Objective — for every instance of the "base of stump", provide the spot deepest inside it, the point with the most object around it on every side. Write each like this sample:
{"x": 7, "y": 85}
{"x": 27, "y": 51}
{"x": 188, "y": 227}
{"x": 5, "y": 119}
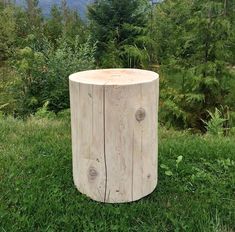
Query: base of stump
{"x": 114, "y": 201}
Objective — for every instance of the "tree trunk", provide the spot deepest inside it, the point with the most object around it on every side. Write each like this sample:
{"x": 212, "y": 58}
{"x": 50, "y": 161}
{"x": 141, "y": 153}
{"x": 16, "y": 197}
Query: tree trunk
{"x": 114, "y": 133}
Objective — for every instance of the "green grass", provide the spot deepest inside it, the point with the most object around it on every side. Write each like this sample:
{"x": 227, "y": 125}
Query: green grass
{"x": 37, "y": 191}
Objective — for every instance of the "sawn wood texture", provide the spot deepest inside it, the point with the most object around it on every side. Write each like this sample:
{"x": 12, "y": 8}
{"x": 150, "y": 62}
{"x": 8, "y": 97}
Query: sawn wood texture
{"x": 114, "y": 115}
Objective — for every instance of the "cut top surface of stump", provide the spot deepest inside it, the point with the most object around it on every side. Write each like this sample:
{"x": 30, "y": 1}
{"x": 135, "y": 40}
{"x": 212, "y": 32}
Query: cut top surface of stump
{"x": 114, "y": 76}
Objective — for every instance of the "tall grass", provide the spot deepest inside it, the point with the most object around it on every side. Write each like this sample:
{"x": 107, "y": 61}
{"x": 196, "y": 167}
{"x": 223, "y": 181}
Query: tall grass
{"x": 37, "y": 191}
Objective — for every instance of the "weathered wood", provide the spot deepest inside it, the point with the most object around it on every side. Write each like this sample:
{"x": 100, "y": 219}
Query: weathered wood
{"x": 114, "y": 133}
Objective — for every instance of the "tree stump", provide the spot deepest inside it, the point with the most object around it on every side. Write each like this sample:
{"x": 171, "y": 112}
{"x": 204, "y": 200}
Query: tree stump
{"x": 114, "y": 133}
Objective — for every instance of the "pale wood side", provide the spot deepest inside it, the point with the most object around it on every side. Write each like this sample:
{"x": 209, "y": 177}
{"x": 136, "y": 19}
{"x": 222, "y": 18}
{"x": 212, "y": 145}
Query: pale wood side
{"x": 86, "y": 102}
{"x": 131, "y": 145}
{"x": 114, "y": 139}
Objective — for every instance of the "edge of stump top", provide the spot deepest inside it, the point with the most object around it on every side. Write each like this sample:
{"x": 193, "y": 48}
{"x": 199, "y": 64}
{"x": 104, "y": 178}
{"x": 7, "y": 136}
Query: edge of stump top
{"x": 114, "y": 76}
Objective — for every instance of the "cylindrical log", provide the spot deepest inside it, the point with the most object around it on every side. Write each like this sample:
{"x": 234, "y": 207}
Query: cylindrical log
{"x": 114, "y": 133}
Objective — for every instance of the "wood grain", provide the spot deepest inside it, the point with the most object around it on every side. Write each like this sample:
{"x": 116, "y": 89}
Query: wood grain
{"x": 114, "y": 133}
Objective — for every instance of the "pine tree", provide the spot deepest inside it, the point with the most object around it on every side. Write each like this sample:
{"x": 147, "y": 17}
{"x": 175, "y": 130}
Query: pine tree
{"x": 34, "y": 14}
{"x": 7, "y": 32}
{"x": 196, "y": 38}
{"x": 54, "y": 25}
{"x": 120, "y": 28}
{"x": 72, "y": 26}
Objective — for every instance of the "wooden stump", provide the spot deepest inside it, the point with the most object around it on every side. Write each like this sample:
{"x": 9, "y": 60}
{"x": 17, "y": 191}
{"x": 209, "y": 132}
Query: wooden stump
{"x": 114, "y": 133}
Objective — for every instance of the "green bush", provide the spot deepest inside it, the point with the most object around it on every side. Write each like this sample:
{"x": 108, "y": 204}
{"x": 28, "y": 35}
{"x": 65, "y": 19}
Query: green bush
{"x": 44, "y": 75}
{"x": 43, "y": 112}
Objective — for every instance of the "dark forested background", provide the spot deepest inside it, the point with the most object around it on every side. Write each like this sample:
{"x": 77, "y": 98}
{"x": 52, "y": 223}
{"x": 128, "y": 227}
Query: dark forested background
{"x": 191, "y": 43}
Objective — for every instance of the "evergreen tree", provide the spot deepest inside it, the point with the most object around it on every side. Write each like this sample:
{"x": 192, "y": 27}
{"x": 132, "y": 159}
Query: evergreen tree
{"x": 73, "y": 27}
{"x": 120, "y": 29}
{"x": 193, "y": 38}
{"x": 34, "y": 14}
{"x": 54, "y": 25}
{"x": 7, "y": 32}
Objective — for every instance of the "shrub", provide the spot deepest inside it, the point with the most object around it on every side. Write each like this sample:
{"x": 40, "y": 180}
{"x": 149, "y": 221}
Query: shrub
{"x": 43, "y": 112}
{"x": 44, "y": 75}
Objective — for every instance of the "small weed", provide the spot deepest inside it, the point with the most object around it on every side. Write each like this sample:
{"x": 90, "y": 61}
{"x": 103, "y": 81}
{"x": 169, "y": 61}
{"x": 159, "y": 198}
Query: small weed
{"x": 215, "y": 125}
{"x": 169, "y": 171}
{"x": 43, "y": 112}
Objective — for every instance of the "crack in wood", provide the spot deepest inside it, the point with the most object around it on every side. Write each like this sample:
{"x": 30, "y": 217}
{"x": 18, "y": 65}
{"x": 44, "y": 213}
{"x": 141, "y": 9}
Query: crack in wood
{"x": 92, "y": 120}
{"x": 105, "y": 162}
{"x": 92, "y": 110}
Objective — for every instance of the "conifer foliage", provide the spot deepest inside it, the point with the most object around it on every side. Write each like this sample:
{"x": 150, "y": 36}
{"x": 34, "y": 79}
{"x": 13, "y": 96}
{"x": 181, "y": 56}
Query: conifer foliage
{"x": 191, "y": 43}
{"x": 194, "y": 39}
{"x": 120, "y": 29}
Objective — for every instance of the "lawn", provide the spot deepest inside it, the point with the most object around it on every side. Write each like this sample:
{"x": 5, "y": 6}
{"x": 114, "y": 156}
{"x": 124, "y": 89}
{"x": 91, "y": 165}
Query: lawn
{"x": 37, "y": 191}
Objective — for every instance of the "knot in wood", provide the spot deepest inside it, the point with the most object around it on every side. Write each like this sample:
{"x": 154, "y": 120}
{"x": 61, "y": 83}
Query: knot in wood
{"x": 140, "y": 114}
{"x": 92, "y": 173}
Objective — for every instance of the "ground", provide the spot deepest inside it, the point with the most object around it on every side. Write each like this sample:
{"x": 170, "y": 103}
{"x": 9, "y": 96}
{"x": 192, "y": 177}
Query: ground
{"x": 37, "y": 191}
